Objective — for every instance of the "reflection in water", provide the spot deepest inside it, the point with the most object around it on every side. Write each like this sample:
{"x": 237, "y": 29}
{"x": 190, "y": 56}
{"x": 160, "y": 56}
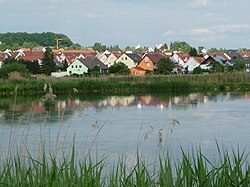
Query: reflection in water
{"x": 155, "y": 123}
{"x": 69, "y": 105}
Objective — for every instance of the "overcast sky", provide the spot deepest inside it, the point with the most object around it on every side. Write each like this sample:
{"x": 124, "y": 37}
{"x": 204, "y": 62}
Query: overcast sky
{"x": 209, "y": 23}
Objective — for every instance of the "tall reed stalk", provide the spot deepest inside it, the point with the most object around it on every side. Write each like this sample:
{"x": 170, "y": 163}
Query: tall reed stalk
{"x": 231, "y": 169}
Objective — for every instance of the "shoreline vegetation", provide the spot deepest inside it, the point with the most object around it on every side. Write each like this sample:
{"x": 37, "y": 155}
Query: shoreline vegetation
{"x": 230, "y": 168}
{"x": 128, "y": 84}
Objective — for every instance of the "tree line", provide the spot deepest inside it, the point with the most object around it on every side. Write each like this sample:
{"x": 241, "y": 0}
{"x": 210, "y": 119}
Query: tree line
{"x": 18, "y": 40}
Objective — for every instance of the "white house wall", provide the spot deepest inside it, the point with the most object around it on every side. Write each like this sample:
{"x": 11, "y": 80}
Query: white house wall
{"x": 110, "y": 60}
{"x": 77, "y": 68}
{"x": 126, "y": 60}
{"x": 191, "y": 63}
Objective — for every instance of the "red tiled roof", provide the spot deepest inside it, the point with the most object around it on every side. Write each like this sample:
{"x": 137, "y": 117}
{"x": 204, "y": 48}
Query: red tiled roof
{"x": 32, "y": 55}
{"x": 70, "y": 59}
{"x": 246, "y": 53}
{"x": 117, "y": 54}
{"x": 183, "y": 55}
{"x": 199, "y": 59}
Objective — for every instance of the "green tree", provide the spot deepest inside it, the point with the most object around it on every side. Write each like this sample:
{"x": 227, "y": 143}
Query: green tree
{"x": 33, "y": 67}
{"x": 193, "y": 52}
{"x": 217, "y": 67}
{"x": 95, "y": 71}
{"x": 12, "y": 67}
{"x": 29, "y": 45}
{"x": 48, "y": 65}
{"x": 23, "y": 39}
{"x": 197, "y": 70}
{"x": 75, "y": 47}
{"x": 164, "y": 66}
{"x": 99, "y": 47}
{"x": 213, "y": 50}
{"x": 240, "y": 65}
{"x": 180, "y": 46}
{"x": 119, "y": 68}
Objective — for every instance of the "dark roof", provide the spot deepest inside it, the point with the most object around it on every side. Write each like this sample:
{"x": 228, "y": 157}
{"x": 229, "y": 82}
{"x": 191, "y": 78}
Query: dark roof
{"x": 90, "y": 63}
{"x": 135, "y": 57}
{"x": 58, "y": 63}
{"x": 138, "y": 68}
{"x": 155, "y": 57}
{"x": 234, "y": 55}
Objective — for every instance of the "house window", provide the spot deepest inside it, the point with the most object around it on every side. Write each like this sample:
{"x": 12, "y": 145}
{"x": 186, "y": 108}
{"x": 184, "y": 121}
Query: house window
{"x": 76, "y": 66}
{"x": 148, "y": 64}
{"x": 80, "y": 66}
{"x": 146, "y": 59}
{"x": 70, "y": 72}
{"x": 126, "y": 58}
{"x": 136, "y": 73}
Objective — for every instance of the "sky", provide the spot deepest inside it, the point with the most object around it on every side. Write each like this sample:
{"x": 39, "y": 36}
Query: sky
{"x": 208, "y": 23}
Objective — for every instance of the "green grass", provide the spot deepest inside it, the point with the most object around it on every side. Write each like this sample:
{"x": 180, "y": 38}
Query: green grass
{"x": 130, "y": 84}
{"x": 230, "y": 169}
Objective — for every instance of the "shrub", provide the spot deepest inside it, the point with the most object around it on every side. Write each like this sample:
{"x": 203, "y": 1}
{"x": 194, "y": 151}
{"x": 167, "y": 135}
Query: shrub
{"x": 13, "y": 67}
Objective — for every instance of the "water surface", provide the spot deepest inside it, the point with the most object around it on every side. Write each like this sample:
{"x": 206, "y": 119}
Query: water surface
{"x": 122, "y": 125}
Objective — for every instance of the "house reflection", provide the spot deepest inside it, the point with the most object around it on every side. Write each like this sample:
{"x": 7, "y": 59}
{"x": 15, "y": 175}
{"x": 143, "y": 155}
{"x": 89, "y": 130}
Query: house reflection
{"x": 68, "y": 106}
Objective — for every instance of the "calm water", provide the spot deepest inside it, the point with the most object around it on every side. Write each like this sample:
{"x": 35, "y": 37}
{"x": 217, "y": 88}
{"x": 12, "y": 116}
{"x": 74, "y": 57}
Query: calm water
{"x": 120, "y": 125}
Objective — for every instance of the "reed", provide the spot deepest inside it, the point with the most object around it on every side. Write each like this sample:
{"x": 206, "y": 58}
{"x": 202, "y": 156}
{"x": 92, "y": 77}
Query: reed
{"x": 125, "y": 84}
{"x": 231, "y": 169}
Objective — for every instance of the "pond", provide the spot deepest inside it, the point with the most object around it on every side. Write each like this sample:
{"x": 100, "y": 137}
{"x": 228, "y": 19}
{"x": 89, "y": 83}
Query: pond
{"x": 122, "y": 125}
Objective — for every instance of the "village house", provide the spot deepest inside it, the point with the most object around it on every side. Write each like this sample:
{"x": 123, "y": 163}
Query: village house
{"x": 103, "y": 56}
{"x": 129, "y": 59}
{"x": 81, "y": 66}
{"x": 223, "y": 59}
{"x": 192, "y": 63}
{"x": 148, "y": 62}
{"x": 68, "y": 56}
{"x": 31, "y": 56}
{"x": 137, "y": 71}
{"x": 180, "y": 58}
{"x": 112, "y": 58}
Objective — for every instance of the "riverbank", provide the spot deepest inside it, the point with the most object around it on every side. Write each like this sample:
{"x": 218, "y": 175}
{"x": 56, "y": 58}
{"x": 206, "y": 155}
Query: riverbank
{"x": 129, "y": 84}
{"x": 229, "y": 169}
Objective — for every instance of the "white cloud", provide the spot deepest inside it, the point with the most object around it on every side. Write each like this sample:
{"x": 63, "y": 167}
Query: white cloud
{"x": 199, "y": 3}
{"x": 204, "y": 2}
{"x": 232, "y": 27}
{"x": 201, "y": 31}
{"x": 169, "y": 33}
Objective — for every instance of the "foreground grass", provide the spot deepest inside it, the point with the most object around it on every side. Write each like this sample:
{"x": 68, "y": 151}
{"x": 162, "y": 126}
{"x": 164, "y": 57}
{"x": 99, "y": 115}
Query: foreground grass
{"x": 190, "y": 170}
{"x": 109, "y": 84}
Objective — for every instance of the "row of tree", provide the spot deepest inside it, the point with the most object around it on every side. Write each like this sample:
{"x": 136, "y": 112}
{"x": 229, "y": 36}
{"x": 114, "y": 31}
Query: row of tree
{"x": 18, "y": 40}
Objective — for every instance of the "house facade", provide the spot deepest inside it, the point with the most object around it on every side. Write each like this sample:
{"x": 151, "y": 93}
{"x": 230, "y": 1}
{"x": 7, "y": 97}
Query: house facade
{"x": 149, "y": 61}
{"x": 81, "y": 66}
{"x": 137, "y": 71}
{"x": 180, "y": 58}
{"x": 112, "y": 58}
{"x": 129, "y": 59}
{"x": 192, "y": 63}
{"x": 77, "y": 67}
